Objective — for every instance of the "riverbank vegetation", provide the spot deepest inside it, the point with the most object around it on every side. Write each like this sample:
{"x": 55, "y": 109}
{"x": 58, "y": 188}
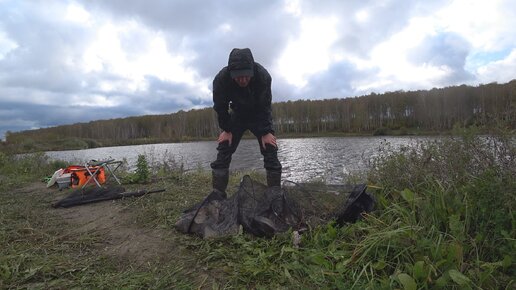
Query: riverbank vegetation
{"x": 434, "y": 111}
{"x": 445, "y": 219}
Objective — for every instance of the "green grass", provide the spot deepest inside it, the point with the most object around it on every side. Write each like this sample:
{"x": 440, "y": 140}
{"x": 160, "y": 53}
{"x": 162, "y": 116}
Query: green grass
{"x": 42, "y": 250}
{"x": 16, "y": 170}
{"x": 444, "y": 220}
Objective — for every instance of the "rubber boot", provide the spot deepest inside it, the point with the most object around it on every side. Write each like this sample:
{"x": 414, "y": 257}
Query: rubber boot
{"x": 273, "y": 178}
{"x": 219, "y": 179}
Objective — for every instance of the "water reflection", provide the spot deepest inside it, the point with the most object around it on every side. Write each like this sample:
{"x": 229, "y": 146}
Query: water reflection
{"x": 303, "y": 159}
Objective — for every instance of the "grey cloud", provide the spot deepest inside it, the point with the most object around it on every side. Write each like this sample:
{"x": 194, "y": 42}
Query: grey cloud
{"x": 358, "y": 38}
{"x": 45, "y": 46}
{"x": 27, "y": 116}
{"x": 335, "y": 82}
{"x": 193, "y": 27}
{"x": 447, "y": 49}
{"x": 181, "y": 16}
{"x": 189, "y": 16}
{"x": 40, "y": 77}
{"x": 167, "y": 97}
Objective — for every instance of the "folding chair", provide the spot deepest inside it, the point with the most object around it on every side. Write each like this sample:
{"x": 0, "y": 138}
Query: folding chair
{"x": 96, "y": 171}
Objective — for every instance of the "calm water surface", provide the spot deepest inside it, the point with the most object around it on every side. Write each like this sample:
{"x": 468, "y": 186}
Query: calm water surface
{"x": 303, "y": 159}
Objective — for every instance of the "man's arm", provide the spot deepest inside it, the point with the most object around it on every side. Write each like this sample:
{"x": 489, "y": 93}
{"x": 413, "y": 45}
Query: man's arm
{"x": 265, "y": 97}
{"x": 221, "y": 103}
{"x": 267, "y": 130}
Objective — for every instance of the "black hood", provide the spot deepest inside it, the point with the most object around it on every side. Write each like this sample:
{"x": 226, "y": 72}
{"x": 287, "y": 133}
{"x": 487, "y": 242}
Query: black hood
{"x": 241, "y": 62}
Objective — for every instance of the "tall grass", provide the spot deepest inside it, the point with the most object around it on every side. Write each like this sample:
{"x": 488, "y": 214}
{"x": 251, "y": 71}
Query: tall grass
{"x": 40, "y": 249}
{"x": 445, "y": 219}
{"x": 16, "y": 170}
{"x": 460, "y": 193}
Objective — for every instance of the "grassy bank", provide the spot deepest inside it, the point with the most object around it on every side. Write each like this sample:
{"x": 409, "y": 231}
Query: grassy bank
{"x": 73, "y": 143}
{"x": 445, "y": 219}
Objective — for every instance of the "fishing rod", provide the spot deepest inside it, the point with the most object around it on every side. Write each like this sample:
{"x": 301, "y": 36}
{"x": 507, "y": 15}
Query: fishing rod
{"x": 91, "y": 198}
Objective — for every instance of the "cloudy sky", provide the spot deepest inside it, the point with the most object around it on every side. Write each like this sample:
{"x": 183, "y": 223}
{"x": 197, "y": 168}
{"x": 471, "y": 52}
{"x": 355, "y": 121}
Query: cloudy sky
{"x": 63, "y": 62}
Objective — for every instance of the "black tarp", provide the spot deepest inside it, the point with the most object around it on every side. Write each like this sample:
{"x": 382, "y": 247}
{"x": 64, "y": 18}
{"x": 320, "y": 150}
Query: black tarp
{"x": 98, "y": 194}
{"x": 264, "y": 211}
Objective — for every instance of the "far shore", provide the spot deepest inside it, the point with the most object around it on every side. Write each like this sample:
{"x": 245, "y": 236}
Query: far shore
{"x": 31, "y": 146}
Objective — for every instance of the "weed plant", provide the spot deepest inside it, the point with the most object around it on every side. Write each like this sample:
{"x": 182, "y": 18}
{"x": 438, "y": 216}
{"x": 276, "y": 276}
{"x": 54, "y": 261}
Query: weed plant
{"x": 141, "y": 174}
{"x": 16, "y": 170}
{"x": 444, "y": 220}
{"x": 41, "y": 250}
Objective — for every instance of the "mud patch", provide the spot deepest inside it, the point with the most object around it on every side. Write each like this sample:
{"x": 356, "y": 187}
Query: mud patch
{"x": 33, "y": 188}
{"x": 122, "y": 237}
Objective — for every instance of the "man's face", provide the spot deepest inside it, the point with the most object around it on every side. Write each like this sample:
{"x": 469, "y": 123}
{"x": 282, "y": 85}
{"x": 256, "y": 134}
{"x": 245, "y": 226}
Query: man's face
{"x": 243, "y": 81}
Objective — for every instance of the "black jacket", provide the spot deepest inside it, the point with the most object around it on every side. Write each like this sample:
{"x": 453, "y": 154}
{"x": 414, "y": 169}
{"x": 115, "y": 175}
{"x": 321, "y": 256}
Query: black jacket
{"x": 250, "y": 106}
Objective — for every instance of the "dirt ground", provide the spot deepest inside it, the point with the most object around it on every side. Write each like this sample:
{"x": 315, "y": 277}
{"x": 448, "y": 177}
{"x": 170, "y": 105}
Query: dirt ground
{"x": 115, "y": 229}
{"x": 120, "y": 236}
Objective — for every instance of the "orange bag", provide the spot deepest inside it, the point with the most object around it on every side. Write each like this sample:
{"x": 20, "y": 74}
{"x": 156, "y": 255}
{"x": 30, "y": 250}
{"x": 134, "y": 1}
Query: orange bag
{"x": 80, "y": 176}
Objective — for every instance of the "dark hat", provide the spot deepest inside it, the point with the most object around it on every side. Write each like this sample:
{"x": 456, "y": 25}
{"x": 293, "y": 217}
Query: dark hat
{"x": 241, "y": 62}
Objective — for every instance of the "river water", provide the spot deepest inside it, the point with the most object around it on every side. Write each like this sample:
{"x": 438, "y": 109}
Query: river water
{"x": 330, "y": 158}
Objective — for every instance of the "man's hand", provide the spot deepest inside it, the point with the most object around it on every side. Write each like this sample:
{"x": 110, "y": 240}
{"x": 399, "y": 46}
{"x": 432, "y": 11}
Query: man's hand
{"x": 269, "y": 139}
{"x": 225, "y": 136}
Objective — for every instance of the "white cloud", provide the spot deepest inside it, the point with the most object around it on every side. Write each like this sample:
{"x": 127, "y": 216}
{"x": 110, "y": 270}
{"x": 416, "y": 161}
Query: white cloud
{"x": 390, "y": 58}
{"x": 152, "y": 57}
{"x": 98, "y": 59}
{"x": 93, "y": 100}
{"x": 499, "y": 71}
{"x": 487, "y": 25}
{"x": 310, "y": 52}
{"x": 362, "y": 15}
{"x": 6, "y": 45}
{"x": 77, "y": 13}
{"x": 293, "y": 7}
{"x": 225, "y": 28}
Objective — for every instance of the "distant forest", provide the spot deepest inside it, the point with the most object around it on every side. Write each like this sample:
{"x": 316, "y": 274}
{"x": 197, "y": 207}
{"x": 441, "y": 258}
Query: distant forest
{"x": 435, "y": 110}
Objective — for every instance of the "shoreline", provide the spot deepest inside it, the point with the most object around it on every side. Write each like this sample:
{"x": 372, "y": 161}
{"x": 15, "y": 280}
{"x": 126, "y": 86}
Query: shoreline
{"x": 73, "y": 143}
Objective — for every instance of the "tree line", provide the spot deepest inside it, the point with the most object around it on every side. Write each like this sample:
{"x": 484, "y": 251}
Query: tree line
{"x": 437, "y": 110}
